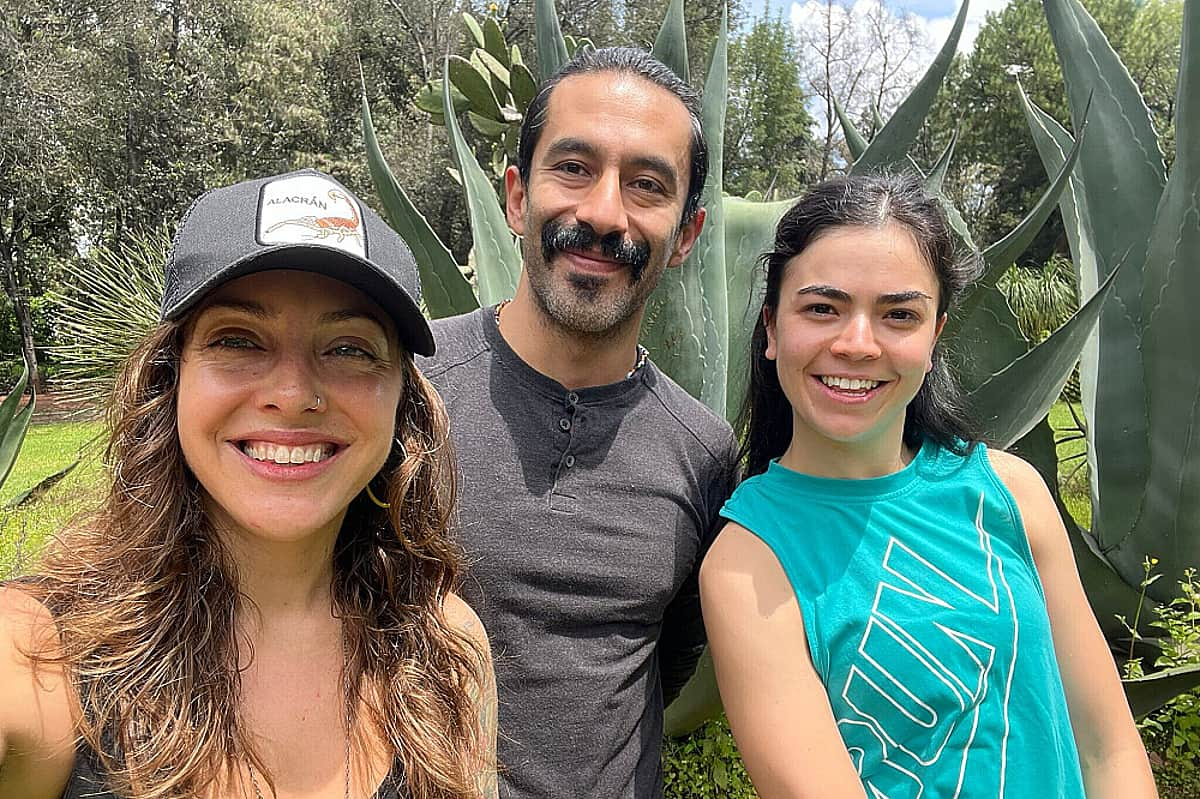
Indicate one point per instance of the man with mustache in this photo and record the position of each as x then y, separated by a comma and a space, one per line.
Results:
590, 482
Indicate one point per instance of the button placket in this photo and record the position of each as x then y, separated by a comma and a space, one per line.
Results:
567, 424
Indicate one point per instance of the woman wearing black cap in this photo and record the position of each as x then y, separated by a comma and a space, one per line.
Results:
263, 606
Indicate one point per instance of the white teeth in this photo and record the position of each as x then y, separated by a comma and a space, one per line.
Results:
849, 383
278, 453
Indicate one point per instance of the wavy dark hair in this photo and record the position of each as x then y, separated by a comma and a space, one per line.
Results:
145, 596
632, 61
938, 411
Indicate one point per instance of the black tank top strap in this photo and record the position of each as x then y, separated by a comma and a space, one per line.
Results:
88, 778
394, 785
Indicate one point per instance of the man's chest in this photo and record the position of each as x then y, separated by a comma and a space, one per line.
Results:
596, 517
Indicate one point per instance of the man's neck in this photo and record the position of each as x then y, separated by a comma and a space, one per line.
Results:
572, 359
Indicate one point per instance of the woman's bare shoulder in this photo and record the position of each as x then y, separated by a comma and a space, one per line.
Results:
25, 623
1017, 474
37, 729
461, 617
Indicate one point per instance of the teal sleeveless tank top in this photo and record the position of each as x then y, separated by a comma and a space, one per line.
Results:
927, 624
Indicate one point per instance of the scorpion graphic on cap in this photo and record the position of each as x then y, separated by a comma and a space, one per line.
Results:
326, 226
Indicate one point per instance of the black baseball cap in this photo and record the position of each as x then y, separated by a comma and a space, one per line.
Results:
303, 220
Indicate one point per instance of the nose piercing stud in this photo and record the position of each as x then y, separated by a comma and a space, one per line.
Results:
316, 406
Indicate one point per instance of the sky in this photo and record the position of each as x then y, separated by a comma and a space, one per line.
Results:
935, 16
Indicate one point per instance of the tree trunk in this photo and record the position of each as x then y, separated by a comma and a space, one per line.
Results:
24, 319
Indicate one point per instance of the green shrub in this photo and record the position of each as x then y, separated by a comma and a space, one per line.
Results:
705, 765
1174, 730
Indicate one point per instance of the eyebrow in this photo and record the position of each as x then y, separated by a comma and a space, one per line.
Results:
259, 311
893, 298
248, 307
570, 145
349, 314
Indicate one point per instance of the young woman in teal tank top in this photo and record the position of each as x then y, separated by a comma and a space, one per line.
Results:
893, 608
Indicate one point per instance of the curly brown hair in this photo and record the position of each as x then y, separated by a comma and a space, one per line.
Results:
145, 597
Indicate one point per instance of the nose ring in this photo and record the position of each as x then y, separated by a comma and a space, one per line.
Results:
316, 406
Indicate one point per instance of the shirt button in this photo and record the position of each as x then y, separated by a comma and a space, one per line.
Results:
570, 461
572, 398
564, 423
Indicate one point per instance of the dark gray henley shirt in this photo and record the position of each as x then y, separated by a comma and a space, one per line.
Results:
584, 515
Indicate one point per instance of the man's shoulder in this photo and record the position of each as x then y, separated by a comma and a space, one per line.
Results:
459, 340
694, 417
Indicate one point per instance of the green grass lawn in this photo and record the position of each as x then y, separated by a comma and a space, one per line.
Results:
47, 448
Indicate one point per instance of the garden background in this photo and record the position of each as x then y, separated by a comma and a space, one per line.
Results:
118, 113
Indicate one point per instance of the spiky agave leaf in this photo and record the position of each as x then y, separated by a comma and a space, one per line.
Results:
686, 325
670, 46
445, 291
1001, 254
1053, 142
14, 422
1122, 178
497, 260
1009, 403
551, 46
937, 175
1170, 520
749, 232
855, 142
891, 145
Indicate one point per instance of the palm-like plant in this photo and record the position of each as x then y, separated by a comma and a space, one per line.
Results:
106, 309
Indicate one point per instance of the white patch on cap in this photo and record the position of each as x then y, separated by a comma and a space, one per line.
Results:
310, 209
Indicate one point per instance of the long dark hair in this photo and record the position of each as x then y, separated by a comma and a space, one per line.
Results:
938, 411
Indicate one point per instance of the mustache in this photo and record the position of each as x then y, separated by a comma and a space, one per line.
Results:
557, 237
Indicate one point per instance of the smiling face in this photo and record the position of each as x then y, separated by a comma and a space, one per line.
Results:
852, 337
272, 461
600, 215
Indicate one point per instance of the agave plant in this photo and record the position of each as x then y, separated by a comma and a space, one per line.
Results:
14, 422
1128, 222
699, 319
492, 87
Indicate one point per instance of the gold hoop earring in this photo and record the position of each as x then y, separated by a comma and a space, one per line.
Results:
379, 502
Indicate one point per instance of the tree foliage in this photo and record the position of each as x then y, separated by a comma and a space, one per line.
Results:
117, 114
768, 138
1001, 174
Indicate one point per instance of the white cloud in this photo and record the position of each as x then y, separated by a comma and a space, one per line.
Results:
938, 29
